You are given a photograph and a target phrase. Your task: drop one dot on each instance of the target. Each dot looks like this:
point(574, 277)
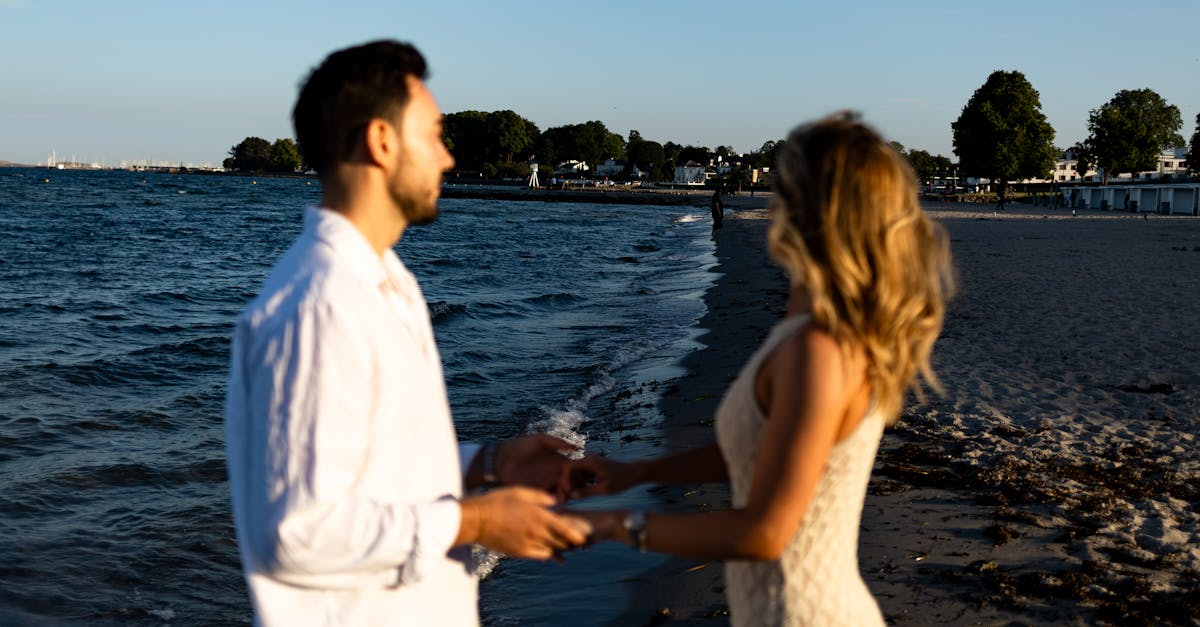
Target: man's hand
point(595, 476)
point(515, 521)
point(535, 461)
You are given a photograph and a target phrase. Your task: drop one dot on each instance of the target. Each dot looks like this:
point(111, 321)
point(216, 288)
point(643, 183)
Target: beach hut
point(1181, 200)
point(1144, 199)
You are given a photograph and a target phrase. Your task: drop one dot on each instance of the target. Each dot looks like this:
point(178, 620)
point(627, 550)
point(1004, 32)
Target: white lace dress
point(816, 581)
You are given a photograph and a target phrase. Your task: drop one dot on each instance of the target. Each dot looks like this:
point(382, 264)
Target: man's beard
point(418, 212)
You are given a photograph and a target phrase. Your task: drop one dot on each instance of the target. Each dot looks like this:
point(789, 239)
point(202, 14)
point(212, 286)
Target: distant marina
point(53, 162)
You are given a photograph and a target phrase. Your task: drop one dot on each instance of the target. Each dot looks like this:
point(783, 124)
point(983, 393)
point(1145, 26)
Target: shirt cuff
point(466, 454)
point(437, 527)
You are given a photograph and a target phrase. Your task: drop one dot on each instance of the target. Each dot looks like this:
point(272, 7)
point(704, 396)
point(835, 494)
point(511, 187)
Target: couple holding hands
point(355, 504)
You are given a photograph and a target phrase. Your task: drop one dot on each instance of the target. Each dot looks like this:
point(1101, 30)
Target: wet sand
point(1058, 479)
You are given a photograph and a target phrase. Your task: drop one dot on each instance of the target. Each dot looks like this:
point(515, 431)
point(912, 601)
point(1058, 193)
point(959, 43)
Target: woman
point(798, 430)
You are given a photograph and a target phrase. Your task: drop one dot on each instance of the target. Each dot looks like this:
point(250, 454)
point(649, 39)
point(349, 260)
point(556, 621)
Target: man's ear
point(381, 142)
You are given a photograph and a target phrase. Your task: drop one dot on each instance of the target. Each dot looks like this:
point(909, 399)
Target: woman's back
point(816, 581)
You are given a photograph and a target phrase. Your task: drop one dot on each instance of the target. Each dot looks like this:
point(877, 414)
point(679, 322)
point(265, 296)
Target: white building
point(1170, 161)
point(611, 167)
point(690, 173)
point(571, 167)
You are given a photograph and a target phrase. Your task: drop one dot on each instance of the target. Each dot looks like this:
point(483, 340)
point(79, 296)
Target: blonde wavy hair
point(847, 227)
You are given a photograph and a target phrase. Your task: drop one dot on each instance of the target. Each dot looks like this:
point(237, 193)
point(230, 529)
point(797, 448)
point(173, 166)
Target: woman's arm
point(805, 388)
point(594, 476)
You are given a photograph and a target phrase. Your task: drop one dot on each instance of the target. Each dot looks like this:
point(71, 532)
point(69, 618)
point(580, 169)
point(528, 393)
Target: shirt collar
point(352, 246)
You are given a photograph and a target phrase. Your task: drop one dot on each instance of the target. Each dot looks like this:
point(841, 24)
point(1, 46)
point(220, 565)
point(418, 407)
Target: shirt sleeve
point(309, 392)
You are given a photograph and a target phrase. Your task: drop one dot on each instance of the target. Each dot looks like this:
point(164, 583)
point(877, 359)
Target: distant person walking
point(718, 209)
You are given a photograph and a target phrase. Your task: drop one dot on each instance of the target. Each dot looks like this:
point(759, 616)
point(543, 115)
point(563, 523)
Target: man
point(346, 479)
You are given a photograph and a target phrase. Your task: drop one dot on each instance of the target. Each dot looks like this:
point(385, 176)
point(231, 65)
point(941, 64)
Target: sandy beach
point(1057, 480)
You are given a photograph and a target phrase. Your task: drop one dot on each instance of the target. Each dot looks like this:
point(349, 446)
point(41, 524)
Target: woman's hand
point(537, 460)
point(596, 476)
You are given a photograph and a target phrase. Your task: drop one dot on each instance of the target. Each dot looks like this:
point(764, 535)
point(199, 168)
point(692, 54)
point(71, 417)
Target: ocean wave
point(441, 311)
point(134, 474)
point(556, 299)
point(164, 364)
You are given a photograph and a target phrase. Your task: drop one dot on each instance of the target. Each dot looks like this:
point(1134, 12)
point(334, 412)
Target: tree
point(672, 151)
point(926, 166)
point(1002, 133)
point(498, 137)
point(252, 155)
point(1084, 159)
point(255, 154)
point(645, 154)
point(465, 134)
point(767, 154)
point(285, 156)
point(511, 136)
point(589, 142)
point(1130, 131)
point(1193, 158)
point(699, 154)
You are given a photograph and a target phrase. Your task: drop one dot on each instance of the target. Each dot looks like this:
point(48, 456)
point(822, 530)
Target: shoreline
point(745, 301)
point(1057, 479)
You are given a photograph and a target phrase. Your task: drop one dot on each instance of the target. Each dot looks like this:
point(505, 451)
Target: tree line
point(1001, 135)
point(502, 144)
point(255, 154)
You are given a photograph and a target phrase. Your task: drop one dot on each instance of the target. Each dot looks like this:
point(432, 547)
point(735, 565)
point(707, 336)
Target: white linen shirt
point(343, 463)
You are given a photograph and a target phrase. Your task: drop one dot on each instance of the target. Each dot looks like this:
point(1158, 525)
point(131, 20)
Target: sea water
point(120, 290)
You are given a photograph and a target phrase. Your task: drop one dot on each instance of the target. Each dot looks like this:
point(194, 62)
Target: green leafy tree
point(589, 142)
point(285, 156)
point(922, 165)
point(1193, 158)
point(253, 154)
point(926, 166)
point(612, 145)
point(1084, 159)
point(1002, 133)
point(699, 154)
point(465, 134)
point(646, 154)
point(672, 151)
point(1130, 131)
point(510, 136)
point(767, 154)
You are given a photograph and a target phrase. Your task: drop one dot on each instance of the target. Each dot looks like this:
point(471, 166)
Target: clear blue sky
point(183, 82)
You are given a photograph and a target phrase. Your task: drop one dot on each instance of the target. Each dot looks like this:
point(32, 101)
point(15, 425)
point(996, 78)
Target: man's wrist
point(470, 523)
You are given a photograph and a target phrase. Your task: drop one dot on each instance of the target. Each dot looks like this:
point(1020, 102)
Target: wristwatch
point(635, 525)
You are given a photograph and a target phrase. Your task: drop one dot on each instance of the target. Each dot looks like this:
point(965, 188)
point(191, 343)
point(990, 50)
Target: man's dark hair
point(349, 89)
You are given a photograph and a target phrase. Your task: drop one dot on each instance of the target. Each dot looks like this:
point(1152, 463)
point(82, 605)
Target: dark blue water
point(119, 294)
